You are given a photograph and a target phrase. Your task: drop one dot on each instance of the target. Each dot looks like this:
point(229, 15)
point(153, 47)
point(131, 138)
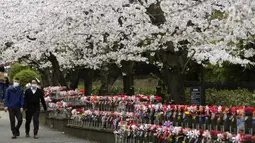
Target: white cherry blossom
point(92, 33)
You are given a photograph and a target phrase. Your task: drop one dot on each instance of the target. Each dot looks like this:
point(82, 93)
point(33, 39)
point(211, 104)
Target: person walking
point(2, 82)
point(32, 99)
point(7, 82)
point(39, 84)
point(13, 103)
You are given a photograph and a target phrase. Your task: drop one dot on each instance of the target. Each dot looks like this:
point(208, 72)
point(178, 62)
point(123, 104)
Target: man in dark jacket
point(32, 99)
point(13, 103)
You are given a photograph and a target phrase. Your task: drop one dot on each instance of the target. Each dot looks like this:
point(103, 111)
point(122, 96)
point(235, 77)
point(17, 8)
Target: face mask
point(34, 86)
point(15, 84)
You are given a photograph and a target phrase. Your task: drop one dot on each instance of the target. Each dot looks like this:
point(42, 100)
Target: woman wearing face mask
point(38, 84)
point(13, 103)
point(32, 99)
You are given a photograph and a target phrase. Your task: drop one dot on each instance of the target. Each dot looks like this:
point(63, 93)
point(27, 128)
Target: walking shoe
point(36, 137)
point(14, 137)
point(27, 135)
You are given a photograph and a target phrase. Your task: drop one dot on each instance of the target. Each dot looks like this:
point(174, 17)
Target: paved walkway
point(46, 135)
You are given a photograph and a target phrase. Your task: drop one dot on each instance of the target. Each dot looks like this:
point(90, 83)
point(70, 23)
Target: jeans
point(2, 90)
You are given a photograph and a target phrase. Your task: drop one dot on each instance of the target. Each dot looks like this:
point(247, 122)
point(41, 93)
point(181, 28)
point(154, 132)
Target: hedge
point(26, 76)
point(237, 97)
point(213, 97)
point(15, 68)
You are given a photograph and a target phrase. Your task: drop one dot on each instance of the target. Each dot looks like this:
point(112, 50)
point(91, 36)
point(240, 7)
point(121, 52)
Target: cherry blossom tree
point(88, 35)
point(209, 30)
point(94, 34)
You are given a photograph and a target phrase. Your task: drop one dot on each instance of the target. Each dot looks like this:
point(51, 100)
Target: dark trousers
point(35, 114)
point(12, 114)
point(2, 90)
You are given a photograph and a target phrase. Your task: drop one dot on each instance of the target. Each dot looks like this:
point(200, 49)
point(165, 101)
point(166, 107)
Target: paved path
point(46, 135)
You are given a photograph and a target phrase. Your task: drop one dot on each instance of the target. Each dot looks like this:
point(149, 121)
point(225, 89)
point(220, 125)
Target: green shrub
point(26, 76)
point(146, 91)
point(95, 89)
point(187, 94)
point(236, 97)
point(80, 86)
point(230, 97)
point(115, 90)
point(15, 68)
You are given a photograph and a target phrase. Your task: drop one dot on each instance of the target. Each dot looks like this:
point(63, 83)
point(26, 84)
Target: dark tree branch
point(32, 39)
point(183, 70)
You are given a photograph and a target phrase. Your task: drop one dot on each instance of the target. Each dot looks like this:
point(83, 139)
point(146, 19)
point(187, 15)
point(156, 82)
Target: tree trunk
point(75, 81)
point(159, 89)
point(45, 77)
point(128, 77)
point(175, 86)
point(56, 70)
point(104, 83)
point(88, 81)
point(73, 78)
point(54, 79)
point(108, 78)
point(173, 63)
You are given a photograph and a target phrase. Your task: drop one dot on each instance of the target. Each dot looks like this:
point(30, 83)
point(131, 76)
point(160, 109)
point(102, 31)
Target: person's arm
point(22, 99)
point(7, 82)
point(43, 101)
point(6, 98)
point(25, 100)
